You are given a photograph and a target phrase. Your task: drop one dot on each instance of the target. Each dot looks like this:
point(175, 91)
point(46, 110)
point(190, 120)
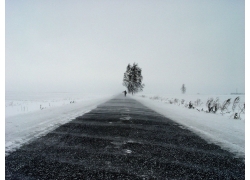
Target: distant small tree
point(132, 79)
point(183, 88)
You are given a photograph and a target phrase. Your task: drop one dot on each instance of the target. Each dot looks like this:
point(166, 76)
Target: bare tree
point(132, 79)
point(183, 88)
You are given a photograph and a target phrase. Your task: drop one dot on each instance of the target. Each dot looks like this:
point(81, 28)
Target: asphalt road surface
point(122, 139)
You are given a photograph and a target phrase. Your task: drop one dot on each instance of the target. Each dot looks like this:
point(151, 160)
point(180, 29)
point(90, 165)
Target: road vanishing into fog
point(122, 139)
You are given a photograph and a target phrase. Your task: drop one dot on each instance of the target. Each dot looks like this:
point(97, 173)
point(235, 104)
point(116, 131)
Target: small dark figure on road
point(125, 93)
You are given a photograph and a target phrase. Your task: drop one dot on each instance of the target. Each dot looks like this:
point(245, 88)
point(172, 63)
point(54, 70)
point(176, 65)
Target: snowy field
point(221, 127)
point(31, 115)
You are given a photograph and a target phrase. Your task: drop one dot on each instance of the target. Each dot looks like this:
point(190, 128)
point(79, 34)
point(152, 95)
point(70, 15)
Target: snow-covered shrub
point(236, 116)
point(41, 108)
point(165, 100)
point(242, 108)
point(176, 100)
point(235, 103)
point(198, 102)
point(216, 105)
point(225, 105)
point(156, 97)
point(182, 101)
point(190, 105)
point(209, 104)
point(213, 105)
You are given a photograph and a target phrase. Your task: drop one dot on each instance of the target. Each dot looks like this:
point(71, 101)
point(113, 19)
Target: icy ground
point(223, 130)
point(31, 115)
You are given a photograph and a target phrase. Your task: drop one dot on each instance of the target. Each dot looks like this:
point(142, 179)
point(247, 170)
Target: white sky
point(85, 46)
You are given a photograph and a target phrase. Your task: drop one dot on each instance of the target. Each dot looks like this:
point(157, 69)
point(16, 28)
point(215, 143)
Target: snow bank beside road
point(225, 132)
point(21, 128)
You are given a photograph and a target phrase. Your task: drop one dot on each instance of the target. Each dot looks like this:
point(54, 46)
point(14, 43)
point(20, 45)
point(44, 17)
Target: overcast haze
point(85, 46)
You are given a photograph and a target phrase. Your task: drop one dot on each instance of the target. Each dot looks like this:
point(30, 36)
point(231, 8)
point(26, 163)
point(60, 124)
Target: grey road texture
point(122, 139)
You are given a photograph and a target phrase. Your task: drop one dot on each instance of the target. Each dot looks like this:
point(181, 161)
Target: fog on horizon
point(85, 46)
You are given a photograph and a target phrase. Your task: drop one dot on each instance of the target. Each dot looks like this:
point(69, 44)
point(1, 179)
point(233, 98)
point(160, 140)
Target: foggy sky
point(85, 46)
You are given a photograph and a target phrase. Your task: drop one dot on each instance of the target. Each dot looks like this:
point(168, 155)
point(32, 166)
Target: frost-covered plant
point(241, 110)
point(155, 97)
point(166, 100)
point(235, 103)
point(197, 102)
point(190, 105)
point(176, 100)
point(236, 116)
point(213, 105)
point(209, 104)
point(216, 105)
point(225, 105)
point(182, 101)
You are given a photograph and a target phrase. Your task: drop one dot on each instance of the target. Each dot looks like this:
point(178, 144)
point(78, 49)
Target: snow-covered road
point(122, 139)
point(23, 126)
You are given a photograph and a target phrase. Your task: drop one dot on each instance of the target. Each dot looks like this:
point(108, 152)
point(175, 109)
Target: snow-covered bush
point(190, 105)
point(235, 103)
point(176, 101)
point(241, 110)
point(209, 104)
point(198, 102)
point(155, 98)
point(216, 105)
point(236, 116)
point(213, 105)
point(182, 101)
point(224, 106)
